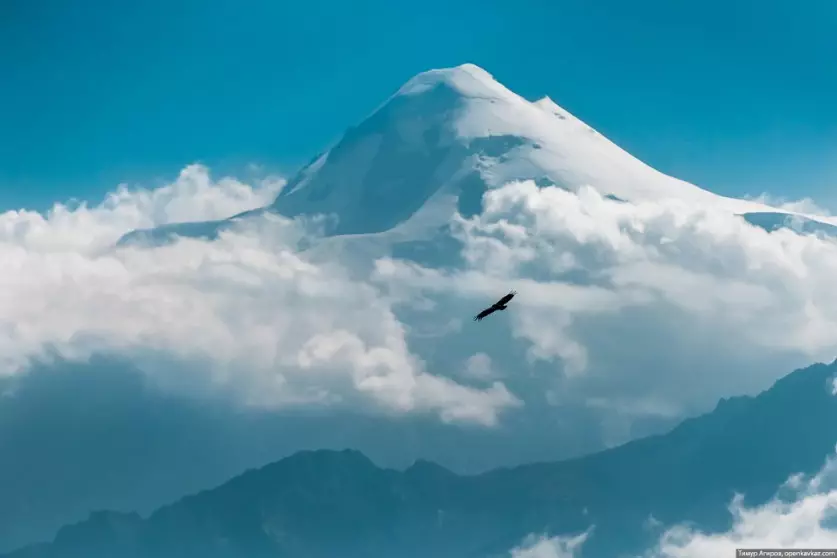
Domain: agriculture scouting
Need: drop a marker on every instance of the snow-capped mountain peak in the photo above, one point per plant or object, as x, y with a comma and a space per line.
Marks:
447, 135
452, 133
469, 80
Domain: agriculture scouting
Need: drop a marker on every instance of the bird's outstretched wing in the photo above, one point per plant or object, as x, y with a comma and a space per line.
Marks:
506, 298
484, 313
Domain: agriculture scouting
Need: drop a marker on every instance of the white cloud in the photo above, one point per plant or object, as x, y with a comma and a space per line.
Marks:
659, 307
801, 515
805, 206
551, 547
245, 315
478, 367
641, 310
80, 228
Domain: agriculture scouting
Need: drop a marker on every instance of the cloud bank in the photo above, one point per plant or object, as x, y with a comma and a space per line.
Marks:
245, 316
654, 309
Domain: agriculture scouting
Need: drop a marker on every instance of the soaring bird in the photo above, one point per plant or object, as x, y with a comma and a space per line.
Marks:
499, 305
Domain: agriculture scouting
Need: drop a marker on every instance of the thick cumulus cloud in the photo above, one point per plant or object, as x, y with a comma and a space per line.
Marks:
245, 315
655, 308
77, 227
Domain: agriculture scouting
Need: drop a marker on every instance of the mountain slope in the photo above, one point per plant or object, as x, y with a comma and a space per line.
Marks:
326, 503
444, 138
445, 125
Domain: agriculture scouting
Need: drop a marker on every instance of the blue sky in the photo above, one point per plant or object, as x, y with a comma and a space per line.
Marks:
736, 95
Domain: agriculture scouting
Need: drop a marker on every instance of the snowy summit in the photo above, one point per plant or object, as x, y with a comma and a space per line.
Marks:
446, 129
448, 135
